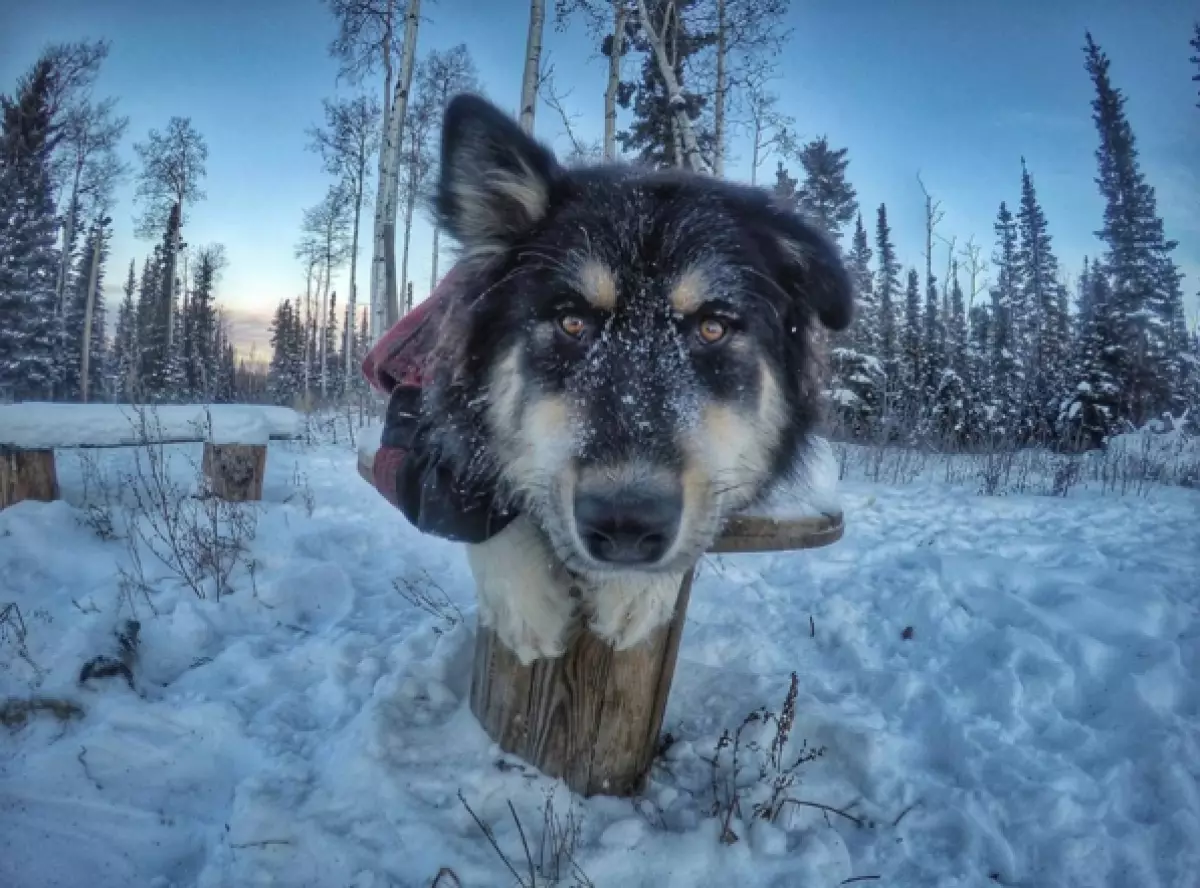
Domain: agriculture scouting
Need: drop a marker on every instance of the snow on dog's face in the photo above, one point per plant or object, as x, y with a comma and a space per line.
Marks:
636, 358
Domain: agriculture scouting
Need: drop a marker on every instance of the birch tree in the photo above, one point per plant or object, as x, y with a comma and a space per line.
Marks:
747, 34
771, 132
172, 169
609, 21
366, 41
533, 61
684, 131
327, 239
444, 75
346, 144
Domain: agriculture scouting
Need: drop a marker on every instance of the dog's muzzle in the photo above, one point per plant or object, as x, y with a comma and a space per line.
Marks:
627, 525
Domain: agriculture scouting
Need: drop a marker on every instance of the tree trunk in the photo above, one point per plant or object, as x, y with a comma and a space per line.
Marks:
378, 295
683, 124
93, 274
720, 99
433, 278
755, 149
614, 82
533, 59
410, 208
384, 268
352, 299
176, 249
68, 236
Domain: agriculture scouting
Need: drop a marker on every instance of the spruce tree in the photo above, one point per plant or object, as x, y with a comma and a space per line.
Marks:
864, 333
125, 346
1041, 346
785, 186
825, 195
29, 328
887, 292
912, 338
1144, 295
1007, 381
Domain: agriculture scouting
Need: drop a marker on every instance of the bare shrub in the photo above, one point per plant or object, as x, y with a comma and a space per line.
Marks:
425, 593
201, 539
751, 772
100, 500
556, 860
14, 635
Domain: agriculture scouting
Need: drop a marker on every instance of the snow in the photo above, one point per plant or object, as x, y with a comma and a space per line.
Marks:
45, 426
1007, 691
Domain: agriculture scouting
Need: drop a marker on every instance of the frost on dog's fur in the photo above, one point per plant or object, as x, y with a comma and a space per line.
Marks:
636, 345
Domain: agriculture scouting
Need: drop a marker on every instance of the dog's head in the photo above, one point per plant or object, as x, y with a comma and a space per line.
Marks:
635, 359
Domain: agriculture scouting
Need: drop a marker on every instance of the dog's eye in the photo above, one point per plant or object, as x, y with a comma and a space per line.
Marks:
573, 325
712, 330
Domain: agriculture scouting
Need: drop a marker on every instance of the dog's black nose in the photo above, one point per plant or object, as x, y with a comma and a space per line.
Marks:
627, 528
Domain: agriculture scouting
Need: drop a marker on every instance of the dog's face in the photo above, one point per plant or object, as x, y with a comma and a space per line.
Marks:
639, 349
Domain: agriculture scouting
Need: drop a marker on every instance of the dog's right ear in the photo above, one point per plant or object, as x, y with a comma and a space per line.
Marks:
495, 180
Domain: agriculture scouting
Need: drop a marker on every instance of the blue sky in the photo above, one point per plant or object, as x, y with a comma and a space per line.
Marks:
954, 91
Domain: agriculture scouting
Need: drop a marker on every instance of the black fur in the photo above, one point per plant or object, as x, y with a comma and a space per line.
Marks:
773, 274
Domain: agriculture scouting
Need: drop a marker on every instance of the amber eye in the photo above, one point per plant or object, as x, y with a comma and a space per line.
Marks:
712, 331
573, 325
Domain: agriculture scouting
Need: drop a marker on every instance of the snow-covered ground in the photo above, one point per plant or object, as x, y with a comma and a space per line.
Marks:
1006, 690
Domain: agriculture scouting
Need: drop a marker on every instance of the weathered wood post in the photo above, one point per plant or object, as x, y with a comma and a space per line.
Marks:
592, 716
235, 472
27, 475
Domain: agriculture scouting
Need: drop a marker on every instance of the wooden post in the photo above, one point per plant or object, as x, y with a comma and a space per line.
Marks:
235, 471
592, 717
25, 475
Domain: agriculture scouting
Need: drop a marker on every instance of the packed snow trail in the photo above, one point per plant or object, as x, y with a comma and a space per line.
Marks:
1007, 691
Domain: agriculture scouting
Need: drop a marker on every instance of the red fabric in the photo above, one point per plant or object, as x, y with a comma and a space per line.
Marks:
399, 358
400, 355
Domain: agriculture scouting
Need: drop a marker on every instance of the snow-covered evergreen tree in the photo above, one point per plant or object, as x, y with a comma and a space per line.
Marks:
74, 322
887, 297
1145, 320
1041, 347
28, 258
125, 343
913, 338
1007, 382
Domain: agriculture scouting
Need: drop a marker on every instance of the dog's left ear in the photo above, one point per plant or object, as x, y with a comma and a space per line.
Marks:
495, 180
809, 266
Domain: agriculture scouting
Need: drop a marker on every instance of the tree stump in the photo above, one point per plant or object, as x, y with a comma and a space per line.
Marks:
235, 471
27, 475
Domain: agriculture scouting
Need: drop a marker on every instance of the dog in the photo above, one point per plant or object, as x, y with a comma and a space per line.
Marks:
635, 363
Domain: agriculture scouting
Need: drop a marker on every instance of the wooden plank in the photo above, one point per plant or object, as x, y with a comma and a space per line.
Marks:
47, 426
27, 475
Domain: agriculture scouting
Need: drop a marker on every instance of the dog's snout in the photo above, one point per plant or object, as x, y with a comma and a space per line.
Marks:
628, 526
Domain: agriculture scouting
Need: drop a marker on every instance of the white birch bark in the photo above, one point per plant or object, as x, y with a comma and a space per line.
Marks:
376, 312
687, 135
721, 97
533, 58
383, 277
614, 81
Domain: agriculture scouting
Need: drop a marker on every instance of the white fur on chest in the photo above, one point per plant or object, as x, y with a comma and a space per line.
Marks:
532, 602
